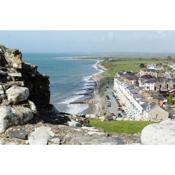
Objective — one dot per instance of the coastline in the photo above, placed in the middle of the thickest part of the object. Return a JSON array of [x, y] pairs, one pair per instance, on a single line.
[[79, 101], [91, 105], [96, 104]]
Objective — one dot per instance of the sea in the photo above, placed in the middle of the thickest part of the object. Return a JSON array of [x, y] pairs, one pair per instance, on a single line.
[[68, 74]]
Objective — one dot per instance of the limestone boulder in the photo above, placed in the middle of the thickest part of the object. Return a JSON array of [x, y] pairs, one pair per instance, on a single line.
[[18, 133], [55, 140], [16, 115], [14, 58], [40, 136], [162, 133], [74, 123], [23, 115], [16, 94], [6, 115], [32, 106]]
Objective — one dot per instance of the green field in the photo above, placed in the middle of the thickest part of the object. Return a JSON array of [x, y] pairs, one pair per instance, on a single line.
[[124, 64], [128, 127]]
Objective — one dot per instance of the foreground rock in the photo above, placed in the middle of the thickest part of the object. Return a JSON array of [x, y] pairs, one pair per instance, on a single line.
[[6, 117], [62, 135], [74, 123], [40, 136], [16, 115], [18, 133], [16, 94], [96, 140], [162, 133]]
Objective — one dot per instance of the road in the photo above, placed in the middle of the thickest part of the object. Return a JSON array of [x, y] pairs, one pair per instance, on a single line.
[[114, 104]]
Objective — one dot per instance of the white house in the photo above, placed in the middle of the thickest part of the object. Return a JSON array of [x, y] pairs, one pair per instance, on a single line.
[[156, 113], [130, 98], [134, 105], [152, 66], [150, 72], [148, 84]]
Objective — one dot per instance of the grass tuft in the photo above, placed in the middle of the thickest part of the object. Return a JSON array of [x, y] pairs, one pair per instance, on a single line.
[[128, 127]]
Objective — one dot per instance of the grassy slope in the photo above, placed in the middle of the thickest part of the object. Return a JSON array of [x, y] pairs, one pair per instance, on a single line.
[[129, 127], [124, 64]]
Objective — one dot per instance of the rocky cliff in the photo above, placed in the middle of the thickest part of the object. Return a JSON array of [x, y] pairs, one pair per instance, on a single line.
[[14, 71], [24, 92]]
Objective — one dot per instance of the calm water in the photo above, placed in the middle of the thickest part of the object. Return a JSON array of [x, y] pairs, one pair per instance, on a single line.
[[67, 76]]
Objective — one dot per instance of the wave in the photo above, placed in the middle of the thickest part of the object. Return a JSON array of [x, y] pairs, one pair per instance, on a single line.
[[71, 99], [74, 108], [80, 108], [77, 108], [87, 78], [63, 58]]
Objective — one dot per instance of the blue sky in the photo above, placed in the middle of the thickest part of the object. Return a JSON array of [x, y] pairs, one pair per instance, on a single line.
[[90, 41]]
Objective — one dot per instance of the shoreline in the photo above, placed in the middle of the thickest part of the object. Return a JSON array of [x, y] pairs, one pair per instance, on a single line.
[[96, 107], [79, 101], [89, 107], [94, 77]]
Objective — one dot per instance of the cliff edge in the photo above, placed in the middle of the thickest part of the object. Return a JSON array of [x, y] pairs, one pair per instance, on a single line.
[[24, 92]]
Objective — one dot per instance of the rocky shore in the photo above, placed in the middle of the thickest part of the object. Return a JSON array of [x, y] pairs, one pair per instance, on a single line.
[[98, 106], [92, 91]]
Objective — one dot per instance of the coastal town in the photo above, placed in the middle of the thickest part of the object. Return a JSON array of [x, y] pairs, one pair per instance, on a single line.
[[131, 101], [148, 95], [145, 95]]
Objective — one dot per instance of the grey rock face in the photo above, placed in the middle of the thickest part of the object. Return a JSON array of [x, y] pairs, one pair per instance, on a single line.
[[23, 115], [16, 115], [6, 114], [14, 58], [17, 133], [40, 136], [16, 94], [32, 106], [74, 123], [162, 133], [96, 140], [55, 140]]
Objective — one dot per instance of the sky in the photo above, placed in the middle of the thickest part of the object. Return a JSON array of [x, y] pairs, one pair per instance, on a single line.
[[90, 41]]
